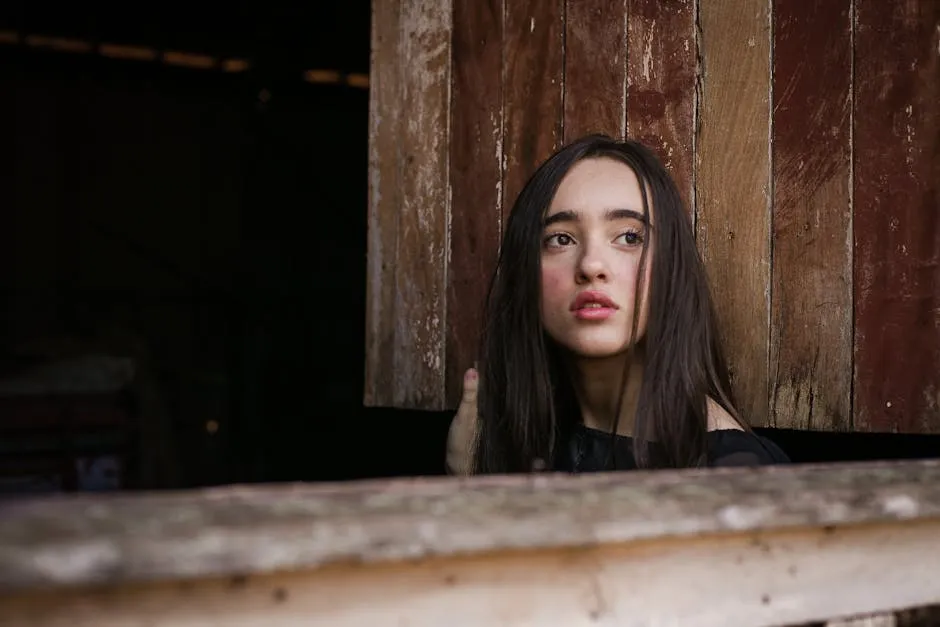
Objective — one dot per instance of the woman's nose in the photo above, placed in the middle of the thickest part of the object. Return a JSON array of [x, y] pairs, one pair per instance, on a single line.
[[592, 267]]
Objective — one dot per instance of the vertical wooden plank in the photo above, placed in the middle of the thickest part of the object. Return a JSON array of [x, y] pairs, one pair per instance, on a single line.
[[420, 269], [533, 87], [811, 297], [732, 164], [475, 176], [412, 145], [896, 217], [385, 109], [595, 68], [661, 84]]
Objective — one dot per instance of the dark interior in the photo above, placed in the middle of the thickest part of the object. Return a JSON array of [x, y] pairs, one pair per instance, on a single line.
[[210, 227]]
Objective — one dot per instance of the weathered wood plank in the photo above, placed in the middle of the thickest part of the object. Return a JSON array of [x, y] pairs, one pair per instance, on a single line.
[[661, 84], [421, 262], [754, 579], [595, 68], [732, 163], [533, 69], [97, 539], [385, 197], [896, 217], [811, 296], [476, 153], [414, 147]]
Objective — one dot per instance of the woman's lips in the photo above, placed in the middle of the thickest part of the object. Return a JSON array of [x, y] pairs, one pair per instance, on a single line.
[[593, 305], [594, 313]]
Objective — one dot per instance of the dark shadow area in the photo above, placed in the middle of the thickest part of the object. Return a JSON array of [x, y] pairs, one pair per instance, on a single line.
[[183, 264]]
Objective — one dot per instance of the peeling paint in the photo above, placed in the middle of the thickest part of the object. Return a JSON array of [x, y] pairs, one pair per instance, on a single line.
[[648, 52]]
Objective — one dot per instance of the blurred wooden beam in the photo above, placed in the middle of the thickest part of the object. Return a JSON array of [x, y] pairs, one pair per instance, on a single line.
[[769, 546], [177, 58]]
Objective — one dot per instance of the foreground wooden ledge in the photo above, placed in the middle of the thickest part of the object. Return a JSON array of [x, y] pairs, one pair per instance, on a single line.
[[767, 546]]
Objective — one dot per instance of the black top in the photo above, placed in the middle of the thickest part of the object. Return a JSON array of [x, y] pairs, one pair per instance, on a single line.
[[589, 450]]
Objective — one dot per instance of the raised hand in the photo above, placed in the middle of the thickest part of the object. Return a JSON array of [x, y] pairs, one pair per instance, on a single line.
[[463, 428]]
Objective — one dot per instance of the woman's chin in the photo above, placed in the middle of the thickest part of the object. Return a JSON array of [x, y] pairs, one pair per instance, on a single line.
[[597, 349]]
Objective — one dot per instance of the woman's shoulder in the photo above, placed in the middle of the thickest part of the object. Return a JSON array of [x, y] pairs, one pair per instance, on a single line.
[[729, 444], [734, 447]]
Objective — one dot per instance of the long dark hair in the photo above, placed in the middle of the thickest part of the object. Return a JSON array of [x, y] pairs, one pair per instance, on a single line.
[[527, 404]]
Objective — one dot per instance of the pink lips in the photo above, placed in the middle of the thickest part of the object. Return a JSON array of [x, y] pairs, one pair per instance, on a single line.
[[593, 305]]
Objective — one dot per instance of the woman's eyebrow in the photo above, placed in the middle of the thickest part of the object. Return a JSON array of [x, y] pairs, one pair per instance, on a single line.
[[610, 215], [561, 216], [624, 214]]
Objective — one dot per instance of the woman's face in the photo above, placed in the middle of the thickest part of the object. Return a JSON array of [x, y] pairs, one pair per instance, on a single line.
[[592, 240]]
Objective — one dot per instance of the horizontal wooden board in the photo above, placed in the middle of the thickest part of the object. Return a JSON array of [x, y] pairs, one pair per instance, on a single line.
[[769, 546], [759, 579], [91, 539]]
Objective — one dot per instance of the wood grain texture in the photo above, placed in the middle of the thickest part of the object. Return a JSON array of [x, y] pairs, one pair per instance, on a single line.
[[227, 531], [533, 66], [595, 68], [811, 293], [661, 84], [896, 216], [732, 164], [754, 578], [416, 144], [476, 153], [385, 197]]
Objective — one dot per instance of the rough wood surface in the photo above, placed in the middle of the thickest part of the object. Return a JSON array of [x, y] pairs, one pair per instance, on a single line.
[[897, 216], [740, 579], [595, 68], [811, 293], [732, 165], [408, 287], [661, 84], [94, 539], [476, 153], [533, 67], [384, 202]]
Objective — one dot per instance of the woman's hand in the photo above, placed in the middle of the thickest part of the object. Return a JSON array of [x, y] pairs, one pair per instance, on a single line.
[[463, 428]]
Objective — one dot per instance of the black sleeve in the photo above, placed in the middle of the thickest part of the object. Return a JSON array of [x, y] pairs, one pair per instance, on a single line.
[[738, 448]]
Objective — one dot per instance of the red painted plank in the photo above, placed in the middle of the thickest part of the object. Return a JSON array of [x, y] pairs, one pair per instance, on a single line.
[[533, 71], [897, 216], [595, 67], [811, 292], [475, 176], [661, 83]]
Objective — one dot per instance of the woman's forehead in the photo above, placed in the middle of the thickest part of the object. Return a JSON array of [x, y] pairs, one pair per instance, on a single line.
[[597, 185]]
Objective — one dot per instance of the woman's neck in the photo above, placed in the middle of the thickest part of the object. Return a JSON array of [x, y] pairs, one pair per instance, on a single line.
[[598, 384]]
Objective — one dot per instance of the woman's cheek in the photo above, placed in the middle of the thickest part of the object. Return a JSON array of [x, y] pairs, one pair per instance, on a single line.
[[553, 286]]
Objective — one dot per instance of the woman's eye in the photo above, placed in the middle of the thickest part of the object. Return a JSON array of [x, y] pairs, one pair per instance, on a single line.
[[559, 239], [631, 238]]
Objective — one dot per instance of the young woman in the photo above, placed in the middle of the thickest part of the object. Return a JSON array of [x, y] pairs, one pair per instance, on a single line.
[[600, 349]]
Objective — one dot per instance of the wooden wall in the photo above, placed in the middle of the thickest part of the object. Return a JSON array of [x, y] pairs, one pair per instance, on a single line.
[[804, 135]]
